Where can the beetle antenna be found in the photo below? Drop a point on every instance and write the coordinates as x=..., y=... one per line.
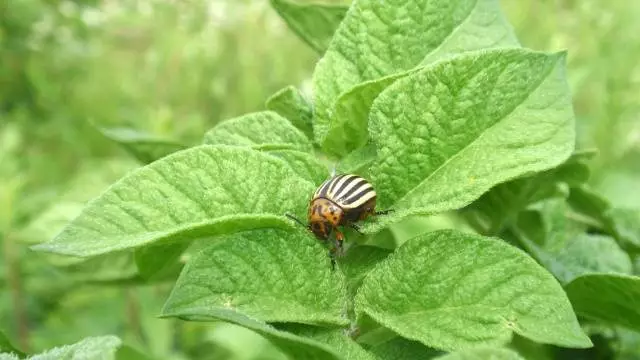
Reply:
x=296, y=220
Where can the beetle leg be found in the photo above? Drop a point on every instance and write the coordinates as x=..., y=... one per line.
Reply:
x=384, y=212
x=339, y=242
x=356, y=228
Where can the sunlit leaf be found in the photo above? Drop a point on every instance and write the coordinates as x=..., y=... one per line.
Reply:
x=275, y=276
x=202, y=191
x=451, y=290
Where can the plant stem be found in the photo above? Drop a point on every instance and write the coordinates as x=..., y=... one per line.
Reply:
x=14, y=280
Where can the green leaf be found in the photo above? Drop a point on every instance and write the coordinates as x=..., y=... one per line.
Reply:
x=401, y=349
x=99, y=347
x=567, y=252
x=7, y=347
x=611, y=298
x=265, y=130
x=291, y=104
x=160, y=261
x=202, y=191
x=378, y=41
x=336, y=338
x=143, y=146
x=626, y=225
x=449, y=133
x=451, y=290
x=482, y=354
x=297, y=347
x=275, y=276
x=304, y=164
x=504, y=201
x=313, y=23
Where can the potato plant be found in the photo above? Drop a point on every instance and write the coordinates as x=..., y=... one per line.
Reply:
x=449, y=117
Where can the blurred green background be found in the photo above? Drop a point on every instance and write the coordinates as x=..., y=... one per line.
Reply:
x=175, y=69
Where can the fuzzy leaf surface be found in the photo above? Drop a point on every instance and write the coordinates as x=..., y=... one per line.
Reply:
x=272, y=275
x=447, y=134
x=313, y=23
x=99, y=347
x=202, y=191
x=289, y=103
x=482, y=354
x=304, y=164
x=451, y=290
x=265, y=130
x=378, y=41
x=145, y=147
x=611, y=298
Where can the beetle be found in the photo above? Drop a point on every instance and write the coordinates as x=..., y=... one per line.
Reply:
x=341, y=200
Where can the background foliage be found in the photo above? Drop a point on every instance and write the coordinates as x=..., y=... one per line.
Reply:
x=173, y=70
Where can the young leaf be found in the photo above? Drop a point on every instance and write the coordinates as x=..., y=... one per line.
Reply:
x=289, y=103
x=451, y=290
x=378, y=41
x=145, y=147
x=99, y=347
x=313, y=23
x=611, y=298
x=482, y=354
x=202, y=191
x=504, y=201
x=304, y=164
x=447, y=134
x=297, y=347
x=264, y=130
x=564, y=249
x=275, y=276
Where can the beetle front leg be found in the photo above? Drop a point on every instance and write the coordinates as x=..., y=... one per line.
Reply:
x=384, y=212
x=339, y=242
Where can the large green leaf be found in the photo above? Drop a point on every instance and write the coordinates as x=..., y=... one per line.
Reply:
x=482, y=354
x=314, y=23
x=265, y=130
x=613, y=299
x=289, y=103
x=297, y=347
x=202, y=191
x=451, y=290
x=272, y=275
x=378, y=41
x=449, y=133
x=143, y=146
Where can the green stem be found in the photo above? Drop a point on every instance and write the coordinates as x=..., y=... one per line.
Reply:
x=14, y=281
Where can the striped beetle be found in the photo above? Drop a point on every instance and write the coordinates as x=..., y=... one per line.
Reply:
x=342, y=200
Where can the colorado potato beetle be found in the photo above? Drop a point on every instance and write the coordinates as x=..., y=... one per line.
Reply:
x=342, y=200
